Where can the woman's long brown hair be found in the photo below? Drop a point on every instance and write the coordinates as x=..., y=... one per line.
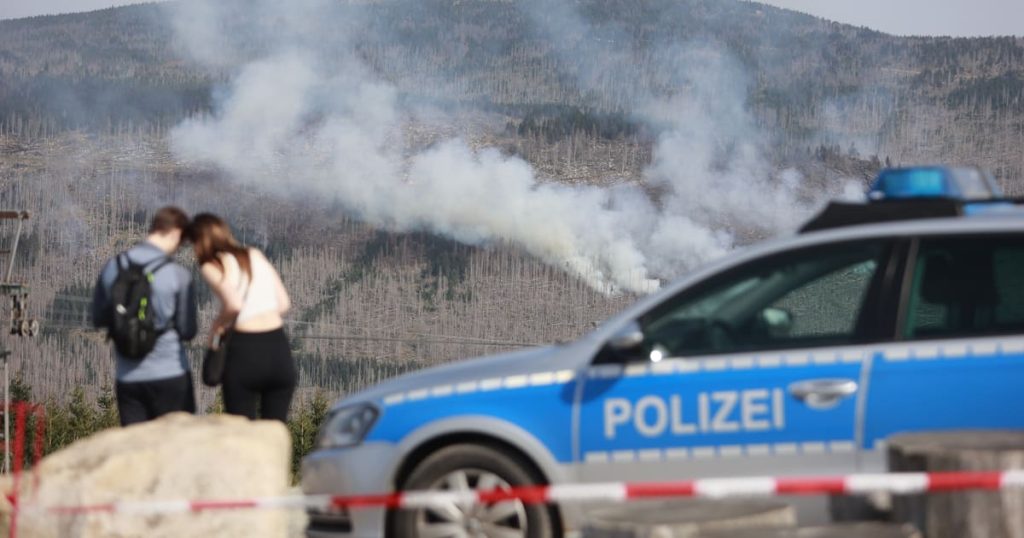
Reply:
x=211, y=236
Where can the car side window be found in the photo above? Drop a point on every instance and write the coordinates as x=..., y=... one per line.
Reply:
x=966, y=286
x=804, y=298
x=827, y=306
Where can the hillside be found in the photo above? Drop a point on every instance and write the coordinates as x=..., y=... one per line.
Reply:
x=89, y=104
x=810, y=81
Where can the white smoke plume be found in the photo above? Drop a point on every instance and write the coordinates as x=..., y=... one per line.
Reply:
x=298, y=119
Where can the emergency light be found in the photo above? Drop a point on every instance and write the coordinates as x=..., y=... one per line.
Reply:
x=955, y=183
x=920, y=192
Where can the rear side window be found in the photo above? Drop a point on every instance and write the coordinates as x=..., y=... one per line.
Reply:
x=967, y=286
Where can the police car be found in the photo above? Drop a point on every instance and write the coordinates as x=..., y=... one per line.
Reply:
x=796, y=356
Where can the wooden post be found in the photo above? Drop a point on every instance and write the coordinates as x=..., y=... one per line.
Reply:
x=964, y=514
x=7, y=412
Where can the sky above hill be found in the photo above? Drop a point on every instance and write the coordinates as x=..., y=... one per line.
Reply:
x=901, y=17
x=920, y=17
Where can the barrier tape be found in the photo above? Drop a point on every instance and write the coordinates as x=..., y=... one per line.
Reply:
x=713, y=488
x=21, y=416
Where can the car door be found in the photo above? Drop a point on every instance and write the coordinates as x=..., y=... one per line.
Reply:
x=962, y=322
x=755, y=371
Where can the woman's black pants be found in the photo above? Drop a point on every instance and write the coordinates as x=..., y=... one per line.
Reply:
x=259, y=375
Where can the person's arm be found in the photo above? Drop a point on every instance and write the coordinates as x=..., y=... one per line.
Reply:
x=186, y=313
x=284, y=302
x=101, y=300
x=230, y=300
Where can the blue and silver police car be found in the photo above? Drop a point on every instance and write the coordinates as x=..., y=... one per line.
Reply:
x=796, y=356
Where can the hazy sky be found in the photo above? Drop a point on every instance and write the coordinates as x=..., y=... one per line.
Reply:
x=920, y=17
x=903, y=17
x=13, y=9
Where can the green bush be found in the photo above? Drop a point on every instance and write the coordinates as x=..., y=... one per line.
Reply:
x=80, y=417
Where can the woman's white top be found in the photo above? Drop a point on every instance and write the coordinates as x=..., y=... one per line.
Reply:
x=259, y=291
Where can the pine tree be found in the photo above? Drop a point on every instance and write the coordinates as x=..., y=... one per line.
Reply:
x=305, y=427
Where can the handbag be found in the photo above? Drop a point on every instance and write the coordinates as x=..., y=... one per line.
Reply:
x=216, y=357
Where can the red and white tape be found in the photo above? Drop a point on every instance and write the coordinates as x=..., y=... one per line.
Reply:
x=714, y=488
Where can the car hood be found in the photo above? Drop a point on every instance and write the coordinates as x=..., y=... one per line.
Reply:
x=525, y=361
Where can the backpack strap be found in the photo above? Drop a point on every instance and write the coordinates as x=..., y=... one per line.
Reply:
x=153, y=268
x=150, y=270
x=124, y=263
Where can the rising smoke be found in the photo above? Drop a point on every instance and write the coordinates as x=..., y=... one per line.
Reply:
x=306, y=115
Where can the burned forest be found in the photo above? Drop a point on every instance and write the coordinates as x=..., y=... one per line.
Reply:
x=588, y=137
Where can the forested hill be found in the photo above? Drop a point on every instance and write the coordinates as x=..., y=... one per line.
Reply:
x=88, y=102
x=810, y=81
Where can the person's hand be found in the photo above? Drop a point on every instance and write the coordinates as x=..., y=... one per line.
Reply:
x=216, y=333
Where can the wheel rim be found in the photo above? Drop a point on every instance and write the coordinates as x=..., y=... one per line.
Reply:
x=505, y=519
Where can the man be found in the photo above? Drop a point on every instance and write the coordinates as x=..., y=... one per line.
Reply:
x=159, y=380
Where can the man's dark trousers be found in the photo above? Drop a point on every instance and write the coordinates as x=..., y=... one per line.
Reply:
x=145, y=400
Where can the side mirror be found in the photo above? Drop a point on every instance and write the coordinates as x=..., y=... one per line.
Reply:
x=777, y=321
x=627, y=338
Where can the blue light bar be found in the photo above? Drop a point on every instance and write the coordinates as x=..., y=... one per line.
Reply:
x=967, y=184
x=902, y=183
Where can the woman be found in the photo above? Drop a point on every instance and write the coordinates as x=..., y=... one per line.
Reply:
x=259, y=371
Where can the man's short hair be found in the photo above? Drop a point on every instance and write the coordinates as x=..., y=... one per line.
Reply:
x=168, y=219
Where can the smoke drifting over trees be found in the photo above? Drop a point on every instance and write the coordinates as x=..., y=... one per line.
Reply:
x=308, y=116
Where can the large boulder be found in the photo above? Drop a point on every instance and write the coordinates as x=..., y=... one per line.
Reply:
x=966, y=513
x=179, y=456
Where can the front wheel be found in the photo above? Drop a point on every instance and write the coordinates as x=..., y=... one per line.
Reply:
x=469, y=467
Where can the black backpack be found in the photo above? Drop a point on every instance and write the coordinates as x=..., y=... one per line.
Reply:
x=133, y=324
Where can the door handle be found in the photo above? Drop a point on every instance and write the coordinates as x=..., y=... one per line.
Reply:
x=822, y=393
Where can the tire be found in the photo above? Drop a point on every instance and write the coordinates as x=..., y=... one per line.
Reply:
x=462, y=466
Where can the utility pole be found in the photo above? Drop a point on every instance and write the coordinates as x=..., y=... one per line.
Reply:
x=21, y=324
x=7, y=406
